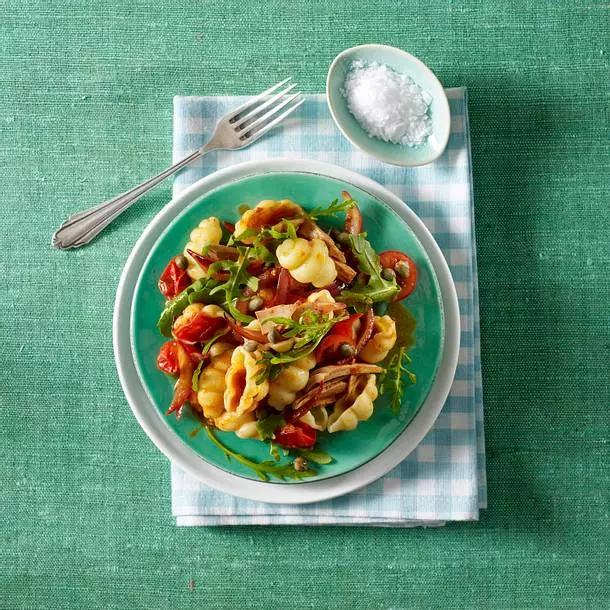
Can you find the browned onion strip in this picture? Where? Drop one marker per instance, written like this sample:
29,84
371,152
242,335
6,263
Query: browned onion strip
319,396
336,386
311,230
367,330
222,253
326,373
245,333
344,272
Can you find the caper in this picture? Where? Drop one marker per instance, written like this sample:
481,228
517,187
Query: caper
402,269
343,238
243,208
255,303
283,346
250,346
300,464
274,336
181,261
306,317
388,273
346,350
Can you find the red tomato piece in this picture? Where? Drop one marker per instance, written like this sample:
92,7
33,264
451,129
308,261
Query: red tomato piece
268,277
200,327
173,280
390,258
296,435
342,332
167,360
255,267
194,352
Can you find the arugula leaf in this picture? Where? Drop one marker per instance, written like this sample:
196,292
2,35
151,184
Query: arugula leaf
266,469
197,292
238,276
208,344
261,235
393,378
195,379
262,253
274,451
308,332
266,427
377,288
316,456
333,209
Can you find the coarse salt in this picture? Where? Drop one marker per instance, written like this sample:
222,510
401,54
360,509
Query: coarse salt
386,104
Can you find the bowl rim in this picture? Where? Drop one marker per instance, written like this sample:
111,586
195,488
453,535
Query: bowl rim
444,105
185,457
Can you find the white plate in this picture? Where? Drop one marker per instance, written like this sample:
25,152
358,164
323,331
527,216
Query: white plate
152,420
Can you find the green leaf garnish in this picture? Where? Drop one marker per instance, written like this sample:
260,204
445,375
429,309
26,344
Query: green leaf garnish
195,379
267,426
274,451
208,344
312,455
266,469
393,378
263,235
377,288
198,292
308,331
238,277
335,207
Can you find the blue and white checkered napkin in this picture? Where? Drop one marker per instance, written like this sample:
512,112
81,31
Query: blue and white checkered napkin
444,478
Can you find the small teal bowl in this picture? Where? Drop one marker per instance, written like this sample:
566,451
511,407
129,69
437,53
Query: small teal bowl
402,62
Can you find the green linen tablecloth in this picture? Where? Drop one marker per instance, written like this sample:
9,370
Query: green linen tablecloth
85,112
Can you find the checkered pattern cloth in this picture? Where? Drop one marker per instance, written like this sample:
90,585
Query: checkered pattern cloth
444,478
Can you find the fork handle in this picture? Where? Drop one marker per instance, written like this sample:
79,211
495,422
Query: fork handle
80,228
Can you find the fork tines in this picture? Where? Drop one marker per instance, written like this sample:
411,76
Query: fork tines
258,115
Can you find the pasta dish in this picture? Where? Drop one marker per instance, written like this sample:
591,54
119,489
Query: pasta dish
284,327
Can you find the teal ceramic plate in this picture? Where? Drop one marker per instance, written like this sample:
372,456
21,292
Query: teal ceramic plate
359,456
405,63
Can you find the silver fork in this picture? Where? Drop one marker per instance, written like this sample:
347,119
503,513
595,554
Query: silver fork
238,129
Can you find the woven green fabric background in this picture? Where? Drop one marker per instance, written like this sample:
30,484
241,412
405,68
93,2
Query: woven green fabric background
85,112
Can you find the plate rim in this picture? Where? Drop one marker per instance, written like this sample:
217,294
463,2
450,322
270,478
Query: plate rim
184,456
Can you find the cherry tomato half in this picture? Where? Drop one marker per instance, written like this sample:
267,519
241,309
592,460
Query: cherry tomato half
200,327
342,332
296,435
167,360
390,258
173,280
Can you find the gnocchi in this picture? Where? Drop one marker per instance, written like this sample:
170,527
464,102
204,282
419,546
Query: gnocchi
243,393
348,416
307,261
292,379
382,340
208,233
